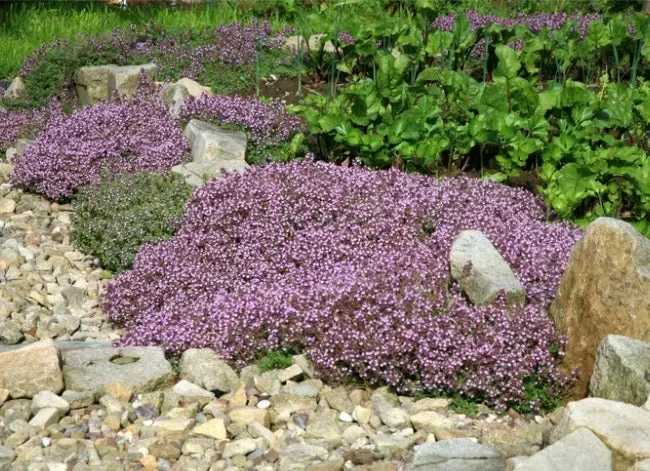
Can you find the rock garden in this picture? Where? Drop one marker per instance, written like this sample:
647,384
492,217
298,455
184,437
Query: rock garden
382,236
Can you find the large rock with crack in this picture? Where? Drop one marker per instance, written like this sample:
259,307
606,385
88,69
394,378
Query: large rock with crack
622,370
481,270
125,80
624,428
27,370
460,454
90,366
605,290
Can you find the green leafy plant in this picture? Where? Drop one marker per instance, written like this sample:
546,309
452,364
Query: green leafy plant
274,360
114,218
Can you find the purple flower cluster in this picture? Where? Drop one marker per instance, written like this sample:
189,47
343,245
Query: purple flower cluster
73,150
535,23
267,123
25,122
351,266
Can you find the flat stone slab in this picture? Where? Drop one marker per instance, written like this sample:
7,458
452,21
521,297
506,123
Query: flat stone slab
578,451
92,367
210,142
481,270
622,370
459,454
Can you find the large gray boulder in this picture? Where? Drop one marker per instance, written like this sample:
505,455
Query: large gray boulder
578,451
622,370
203,366
624,428
209,142
459,454
91,367
91,83
174,94
125,80
481,270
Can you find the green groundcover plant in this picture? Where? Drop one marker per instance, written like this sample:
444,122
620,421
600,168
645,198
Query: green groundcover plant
115,217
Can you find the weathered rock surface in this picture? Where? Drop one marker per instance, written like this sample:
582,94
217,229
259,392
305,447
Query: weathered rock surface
623,428
622,370
205,368
209,142
580,450
481,270
26,371
126,79
16,90
605,290
91,368
92,83
460,454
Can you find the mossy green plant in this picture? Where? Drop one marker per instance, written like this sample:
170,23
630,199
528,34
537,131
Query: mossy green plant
274,360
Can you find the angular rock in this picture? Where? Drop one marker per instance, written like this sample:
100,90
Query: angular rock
430,421
580,450
92,83
45,417
46,399
214,428
125,80
641,466
194,89
22,145
390,415
6,457
209,142
190,392
622,370
302,453
624,428
460,454
16,90
605,290
290,373
172,429
481,270
173,97
204,368
239,447
44,372
248,415
88,367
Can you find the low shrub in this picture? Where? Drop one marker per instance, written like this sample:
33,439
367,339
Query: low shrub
119,137
114,218
274,360
350,266
24,123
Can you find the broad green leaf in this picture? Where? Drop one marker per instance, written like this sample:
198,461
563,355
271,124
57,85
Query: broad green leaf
509,63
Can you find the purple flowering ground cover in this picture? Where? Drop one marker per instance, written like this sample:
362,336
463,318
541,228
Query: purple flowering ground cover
114,136
351,266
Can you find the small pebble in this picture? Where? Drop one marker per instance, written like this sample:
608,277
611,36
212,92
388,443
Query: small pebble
264,404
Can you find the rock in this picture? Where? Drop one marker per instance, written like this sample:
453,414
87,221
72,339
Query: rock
205,368
194,89
641,466
481,270
291,373
173,97
78,400
5,171
580,450
6,457
126,79
45,399
88,367
173,429
394,417
7,206
429,403
622,370
239,447
339,399
45,417
210,143
387,444
44,372
91,83
605,290
334,464
190,392
294,44
287,404
214,428
460,454
199,173
430,421
300,453
16,90
22,145
624,428
248,415
362,414
524,440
